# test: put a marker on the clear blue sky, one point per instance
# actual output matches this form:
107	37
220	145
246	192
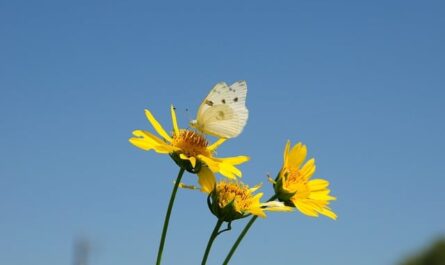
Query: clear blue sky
361	83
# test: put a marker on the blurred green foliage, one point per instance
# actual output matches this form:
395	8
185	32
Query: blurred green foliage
434	255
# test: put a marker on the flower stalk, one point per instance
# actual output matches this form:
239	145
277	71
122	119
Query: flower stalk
214	234
167	215
243	233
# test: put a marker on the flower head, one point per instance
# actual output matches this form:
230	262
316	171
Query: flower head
294	186
188	148
231	200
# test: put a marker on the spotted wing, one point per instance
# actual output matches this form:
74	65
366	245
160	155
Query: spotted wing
223	112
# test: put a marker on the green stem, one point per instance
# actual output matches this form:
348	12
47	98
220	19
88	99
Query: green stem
167	215
243	233
211	239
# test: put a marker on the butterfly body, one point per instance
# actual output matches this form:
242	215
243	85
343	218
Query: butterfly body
223	112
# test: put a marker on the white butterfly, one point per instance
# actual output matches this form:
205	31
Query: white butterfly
223	112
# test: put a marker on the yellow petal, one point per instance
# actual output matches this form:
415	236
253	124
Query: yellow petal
218	165
216	144
328	213
321	196
183	156
141	143
257	196
206	180
318	184
320	207
192	161
148	137
158	128
147	141
256	187
213	165
258	211
297	155
306	209
235	160
286	152
308	169
229	171
146	145
175	123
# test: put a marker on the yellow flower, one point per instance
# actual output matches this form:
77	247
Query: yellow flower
231	200
189	149
294	187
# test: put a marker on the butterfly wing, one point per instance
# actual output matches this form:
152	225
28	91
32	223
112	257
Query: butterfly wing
213	98
223	112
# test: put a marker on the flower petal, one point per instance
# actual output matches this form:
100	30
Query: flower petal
225	169
206	180
318	184
183	156
148	136
213	165
258	211
229	171
255	204
256	198
235	160
286	153
193	161
297	155
328	213
256	187
322	195
157	126
142	143
147	141
174	121
308	169
216	144
306	209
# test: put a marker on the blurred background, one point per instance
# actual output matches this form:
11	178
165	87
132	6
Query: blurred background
360	82
433	255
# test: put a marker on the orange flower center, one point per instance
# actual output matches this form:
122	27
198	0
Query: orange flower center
293	179
238	193
293	175
191	143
